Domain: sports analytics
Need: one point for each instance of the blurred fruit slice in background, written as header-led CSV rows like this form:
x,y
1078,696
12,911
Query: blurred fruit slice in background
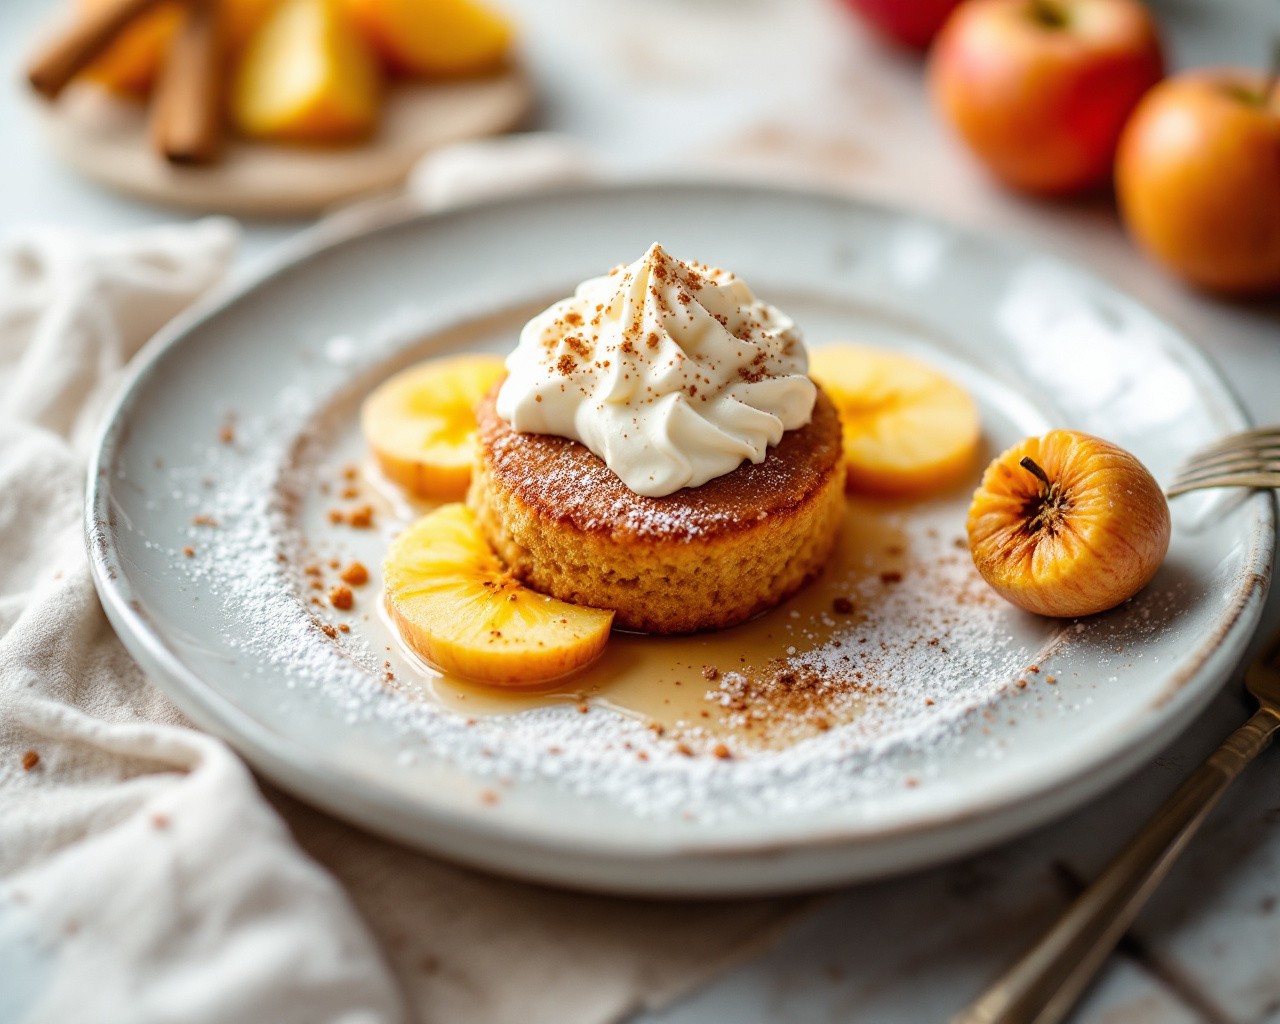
x,y
1198,178
911,23
307,76
241,19
434,38
1040,89
129,66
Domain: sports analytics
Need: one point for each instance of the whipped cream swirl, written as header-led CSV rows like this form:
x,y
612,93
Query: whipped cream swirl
x,y
673,373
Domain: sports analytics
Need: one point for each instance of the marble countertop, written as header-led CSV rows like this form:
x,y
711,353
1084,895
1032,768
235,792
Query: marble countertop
x,y
794,89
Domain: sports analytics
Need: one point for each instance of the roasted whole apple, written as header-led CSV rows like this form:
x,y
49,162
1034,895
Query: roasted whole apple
x,y
1040,89
1068,524
1198,178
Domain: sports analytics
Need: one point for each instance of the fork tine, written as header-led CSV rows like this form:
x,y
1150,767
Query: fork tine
x,y
1263,436
1263,459
1243,447
1187,480
1263,479
1248,459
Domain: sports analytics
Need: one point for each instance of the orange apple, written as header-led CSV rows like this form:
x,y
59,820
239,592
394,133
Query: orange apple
x,y
1068,524
1198,178
1040,89
912,23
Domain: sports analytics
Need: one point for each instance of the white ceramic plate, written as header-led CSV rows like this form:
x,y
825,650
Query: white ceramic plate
x,y
229,634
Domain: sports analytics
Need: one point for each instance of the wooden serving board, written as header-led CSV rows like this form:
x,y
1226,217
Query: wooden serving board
x,y
107,139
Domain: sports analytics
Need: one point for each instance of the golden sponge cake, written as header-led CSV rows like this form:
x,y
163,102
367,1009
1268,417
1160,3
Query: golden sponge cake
x,y
702,558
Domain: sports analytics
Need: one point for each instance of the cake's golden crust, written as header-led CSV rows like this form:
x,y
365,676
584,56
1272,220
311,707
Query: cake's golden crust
x,y
702,558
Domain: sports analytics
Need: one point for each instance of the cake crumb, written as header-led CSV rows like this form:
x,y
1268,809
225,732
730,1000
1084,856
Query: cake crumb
x,y
842,606
29,760
341,597
361,518
355,574
721,751
710,672
189,551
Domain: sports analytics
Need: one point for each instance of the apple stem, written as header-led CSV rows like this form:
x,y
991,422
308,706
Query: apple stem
x,y
1048,13
1032,467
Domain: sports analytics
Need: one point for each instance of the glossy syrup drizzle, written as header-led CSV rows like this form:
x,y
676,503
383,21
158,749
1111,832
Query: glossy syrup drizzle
x,y
748,685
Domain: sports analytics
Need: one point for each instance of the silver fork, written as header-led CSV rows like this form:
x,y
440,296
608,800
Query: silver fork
x,y
1044,985
1251,459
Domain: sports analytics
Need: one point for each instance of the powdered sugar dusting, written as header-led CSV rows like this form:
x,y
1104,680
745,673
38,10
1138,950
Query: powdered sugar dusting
x,y
920,653
898,649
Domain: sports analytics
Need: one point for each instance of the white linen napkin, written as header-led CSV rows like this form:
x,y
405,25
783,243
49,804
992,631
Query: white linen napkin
x,y
143,877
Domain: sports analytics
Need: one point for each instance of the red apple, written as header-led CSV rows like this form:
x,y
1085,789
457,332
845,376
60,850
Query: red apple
x,y
1198,178
912,23
1040,89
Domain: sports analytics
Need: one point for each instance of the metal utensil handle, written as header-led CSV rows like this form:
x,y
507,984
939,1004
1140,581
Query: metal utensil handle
x,y
1043,986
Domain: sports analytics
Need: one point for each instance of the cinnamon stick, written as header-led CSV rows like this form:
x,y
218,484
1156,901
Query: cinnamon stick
x,y
68,54
186,112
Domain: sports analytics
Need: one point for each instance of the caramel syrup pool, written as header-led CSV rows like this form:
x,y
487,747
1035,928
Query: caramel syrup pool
x,y
754,684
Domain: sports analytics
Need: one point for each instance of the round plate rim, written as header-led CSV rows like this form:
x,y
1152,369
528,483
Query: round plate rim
x,y
347,796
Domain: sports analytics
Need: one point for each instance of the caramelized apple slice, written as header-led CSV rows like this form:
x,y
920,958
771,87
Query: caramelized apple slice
x,y
307,76
131,63
908,430
241,20
421,423
434,38
456,605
